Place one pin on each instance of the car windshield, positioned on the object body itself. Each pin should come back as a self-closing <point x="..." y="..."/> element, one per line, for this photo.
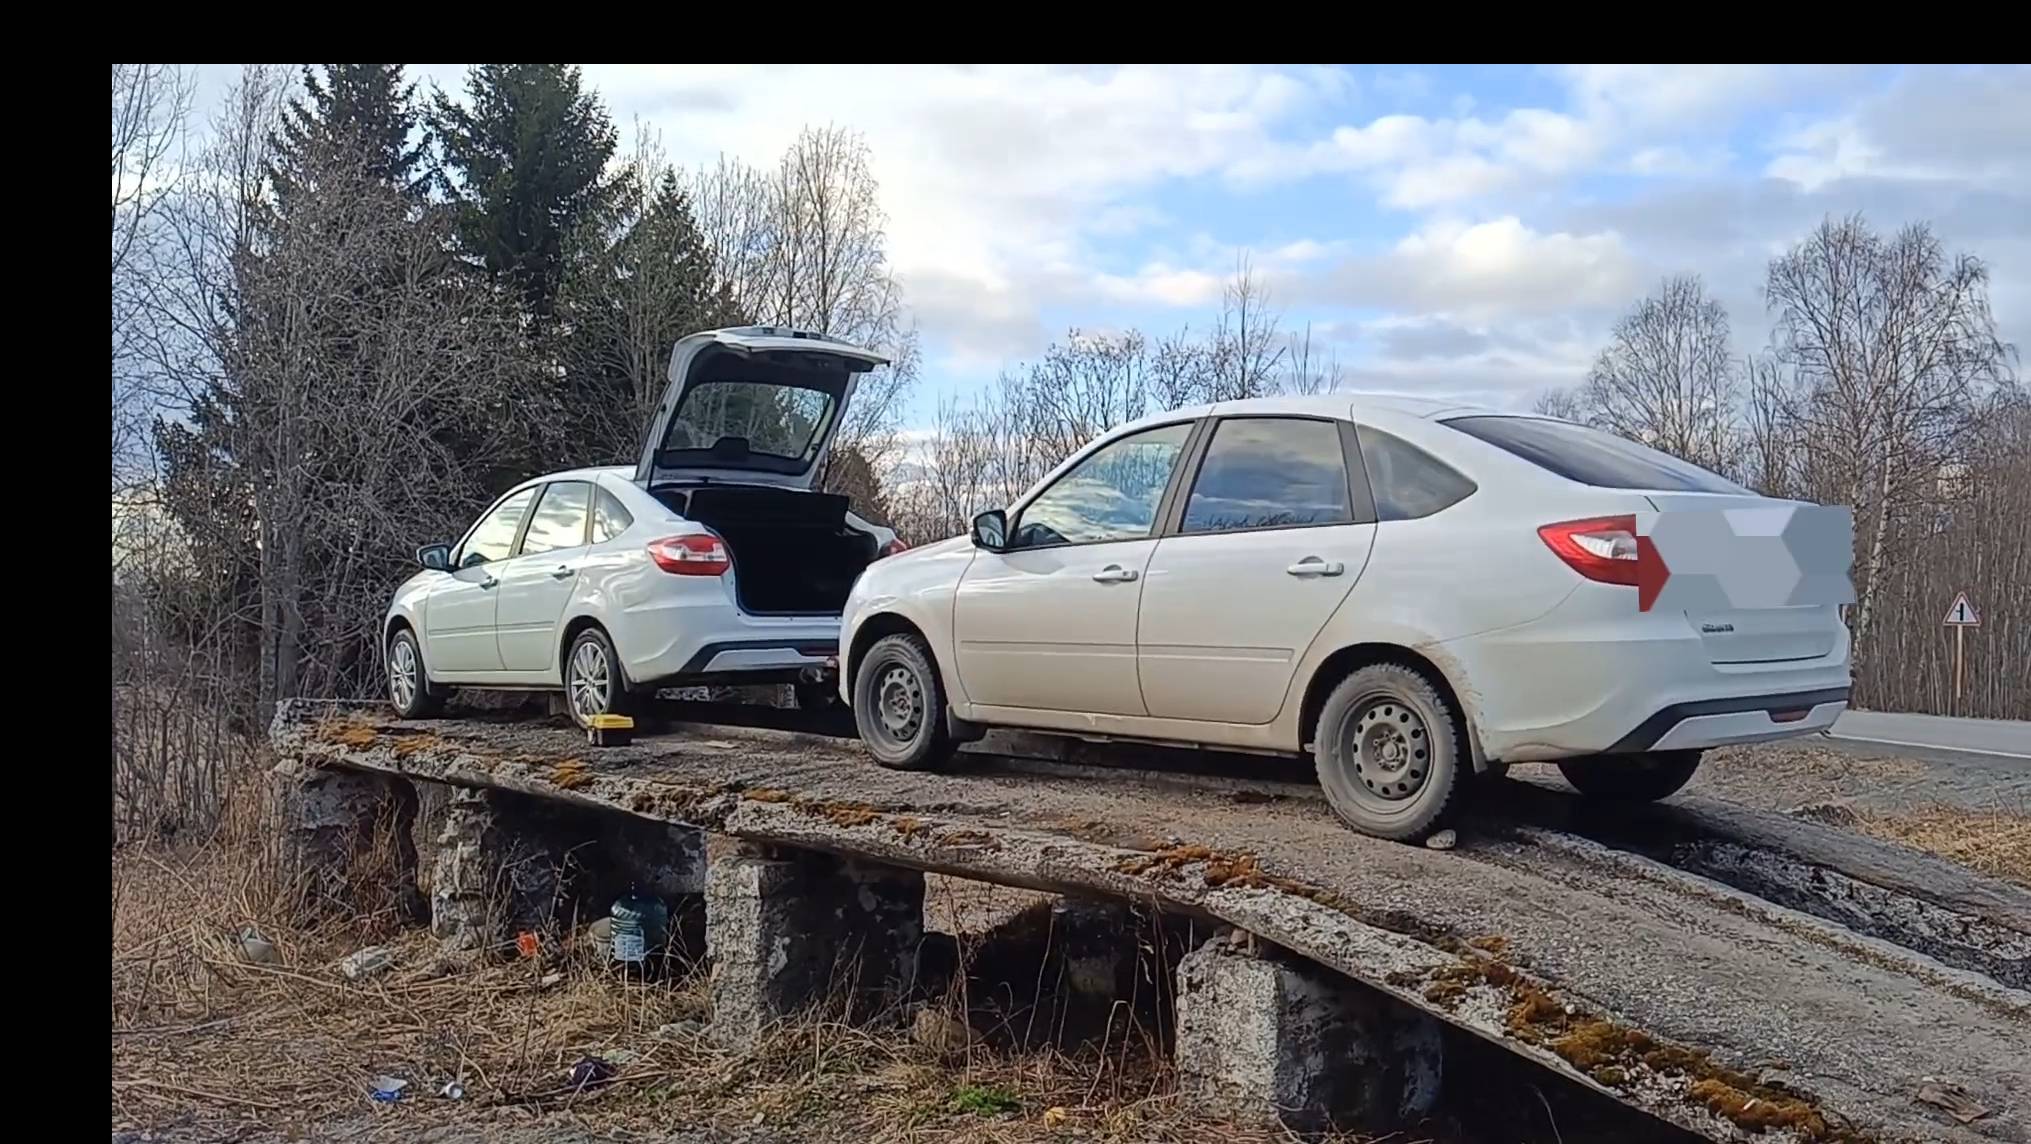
<point x="1591" y="456"/>
<point x="733" y="420"/>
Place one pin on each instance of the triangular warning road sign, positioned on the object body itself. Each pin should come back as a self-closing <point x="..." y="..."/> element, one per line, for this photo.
<point x="1962" y="614"/>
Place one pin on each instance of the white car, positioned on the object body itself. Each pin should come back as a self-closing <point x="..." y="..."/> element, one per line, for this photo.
<point x="711" y="561"/>
<point x="1409" y="591"/>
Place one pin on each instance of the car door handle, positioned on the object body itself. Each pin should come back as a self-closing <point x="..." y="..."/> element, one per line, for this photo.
<point x="1115" y="574"/>
<point x="563" y="572"/>
<point x="1313" y="566"/>
<point x="488" y="582"/>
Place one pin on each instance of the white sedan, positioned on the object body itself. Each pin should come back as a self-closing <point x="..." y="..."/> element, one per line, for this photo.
<point x="712" y="560"/>
<point x="1409" y="591"/>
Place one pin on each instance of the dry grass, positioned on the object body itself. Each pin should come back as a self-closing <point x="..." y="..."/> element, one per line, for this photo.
<point x="1995" y="842"/>
<point x="203" y="1038"/>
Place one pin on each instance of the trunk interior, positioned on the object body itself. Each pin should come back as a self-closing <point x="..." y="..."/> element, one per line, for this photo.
<point x="793" y="552"/>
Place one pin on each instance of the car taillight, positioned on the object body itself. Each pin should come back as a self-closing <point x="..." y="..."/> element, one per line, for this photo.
<point x="894" y="546"/>
<point x="691" y="555"/>
<point x="1601" y="548"/>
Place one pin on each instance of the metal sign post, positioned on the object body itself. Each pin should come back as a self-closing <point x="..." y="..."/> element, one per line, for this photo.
<point x="1960" y="616"/>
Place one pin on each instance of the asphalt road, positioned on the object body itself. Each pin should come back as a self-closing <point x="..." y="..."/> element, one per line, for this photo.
<point x="2007" y="738"/>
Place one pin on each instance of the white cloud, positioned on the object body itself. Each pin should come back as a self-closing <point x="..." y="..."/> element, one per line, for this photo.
<point x="1962" y="125"/>
<point x="1163" y="285"/>
<point x="1416" y="162"/>
<point x="1490" y="269"/>
<point x="1503" y="364"/>
<point x="995" y="179"/>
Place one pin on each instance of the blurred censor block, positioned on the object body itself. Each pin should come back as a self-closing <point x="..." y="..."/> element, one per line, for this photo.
<point x="1714" y="560"/>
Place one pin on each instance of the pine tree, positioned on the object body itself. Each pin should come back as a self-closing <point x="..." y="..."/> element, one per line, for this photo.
<point x="527" y="161"/>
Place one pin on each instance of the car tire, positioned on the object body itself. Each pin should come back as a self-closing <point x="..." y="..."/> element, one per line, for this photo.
<point x="409" y="687"/>
<point x="1390" y="753"/>
<point x="594" y="683"/>
<point x="899" y="705"/>
<point x="1631" y="778"/>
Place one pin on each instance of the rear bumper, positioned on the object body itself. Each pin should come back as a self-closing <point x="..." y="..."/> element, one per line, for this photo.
<point x="760" y="655"/>
<point x="1594" y="676"/>
<point x="1742" y="719"/>
<point x="700" y="637"/>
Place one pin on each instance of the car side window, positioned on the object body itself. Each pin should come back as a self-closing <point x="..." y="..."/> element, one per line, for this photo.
<point x="559" y="520"/>
<point x="1407" y="481"/>
<point x="1269" y="472"/>
<point x="494" y="538"/>
<point x="1111" y="495"/>
<point x="609" y="517"/>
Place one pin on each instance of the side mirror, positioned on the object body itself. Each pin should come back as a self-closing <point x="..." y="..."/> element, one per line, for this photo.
<point x="436" y="557"/>
<point x="990" y="530"/>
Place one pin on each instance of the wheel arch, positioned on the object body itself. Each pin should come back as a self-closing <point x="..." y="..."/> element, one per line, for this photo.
<point x="1352" y="658"/>
<point x="572" y="628"/>
<point x="880" y="626"/>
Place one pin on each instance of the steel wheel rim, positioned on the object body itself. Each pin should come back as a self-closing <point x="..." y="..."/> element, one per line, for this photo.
<point x="899" y="705"/>
<point x="402" y="683"/>
<point x="590" y="680"/>
<point x="1391" y="749"/>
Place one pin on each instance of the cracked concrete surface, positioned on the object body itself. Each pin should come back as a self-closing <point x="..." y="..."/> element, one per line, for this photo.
<point x="1851" y="1024"/>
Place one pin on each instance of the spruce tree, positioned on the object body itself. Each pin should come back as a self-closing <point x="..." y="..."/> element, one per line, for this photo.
<point x="361" y="109"/>
<point x="526" y="160"/>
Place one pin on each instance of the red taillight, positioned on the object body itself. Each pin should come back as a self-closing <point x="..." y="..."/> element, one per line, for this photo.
<point x="704" y="555"/>
<point x="894" y="546"/>
<point x="1601" y="548"/>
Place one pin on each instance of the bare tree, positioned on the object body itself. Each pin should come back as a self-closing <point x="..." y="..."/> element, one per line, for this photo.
<point x="1891" y="348"/>
<point x="1180" y="370"/>
<point x="1770" y="421"/>
<point x="1564" y="404"/>
<point x="1669" y="377"/>
<point x="1247" y="347"/>
<point x="151" y="103"/>
<point x="1309" y="371"/>
<point x="805" y="245"/>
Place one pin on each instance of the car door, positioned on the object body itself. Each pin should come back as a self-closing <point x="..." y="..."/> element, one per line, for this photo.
<point x="1049" y="623"/>
<point x="537" y="582"/>
<point x="1273" y="532"/>
<point x="458" y="616"/>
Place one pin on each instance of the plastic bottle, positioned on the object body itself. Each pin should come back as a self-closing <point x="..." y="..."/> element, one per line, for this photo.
<point x="641" y="925"/>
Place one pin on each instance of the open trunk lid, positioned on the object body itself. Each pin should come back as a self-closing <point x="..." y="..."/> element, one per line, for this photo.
<point x="752" y="404"/>
<point x="1754" y="635"/>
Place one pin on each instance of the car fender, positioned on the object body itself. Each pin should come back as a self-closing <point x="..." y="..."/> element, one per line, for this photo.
<point x="918" y="586"/>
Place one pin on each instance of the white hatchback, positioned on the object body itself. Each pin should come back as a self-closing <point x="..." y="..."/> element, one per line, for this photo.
<point x="711" y="561"/>
<point x="1407" y="590"/>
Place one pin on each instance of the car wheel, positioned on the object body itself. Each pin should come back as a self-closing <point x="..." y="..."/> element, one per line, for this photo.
<point x="408" y="683"/>
<point x="593" y="683"/>
<point x="899" y="706"/>
<point x="1388" y="749"/>
<point x="1631" y="778"/>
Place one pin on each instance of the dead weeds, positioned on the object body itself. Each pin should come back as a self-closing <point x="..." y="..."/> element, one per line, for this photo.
<point x="203" y="1035"/>
<point x="1994" y="842"/>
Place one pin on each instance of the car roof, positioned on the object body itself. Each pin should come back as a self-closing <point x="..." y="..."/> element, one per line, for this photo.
<point x="589" y="473"/>
<point x="1340" y="404"/>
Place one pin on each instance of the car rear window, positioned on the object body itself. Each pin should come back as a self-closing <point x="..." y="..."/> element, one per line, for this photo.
<point x="1591" y="456"/>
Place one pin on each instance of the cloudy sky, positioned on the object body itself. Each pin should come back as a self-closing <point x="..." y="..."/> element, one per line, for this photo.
<point x="1466" y="231"/>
